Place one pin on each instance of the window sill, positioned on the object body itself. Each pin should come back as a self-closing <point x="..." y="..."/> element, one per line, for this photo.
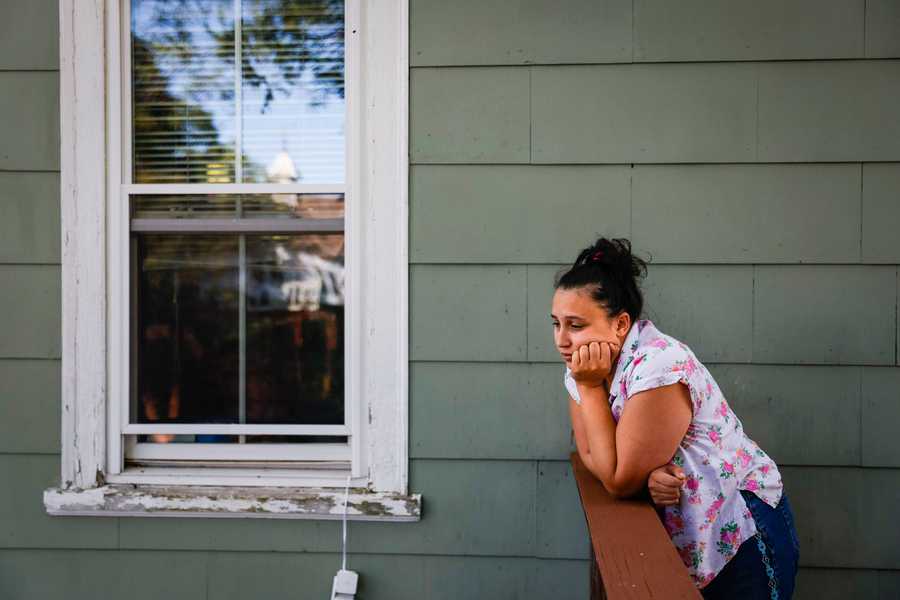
<point x="231" y="502"/>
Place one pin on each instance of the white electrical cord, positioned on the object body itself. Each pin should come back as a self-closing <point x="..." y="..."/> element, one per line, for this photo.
<point x="346" y="503"/>
<point x="345" y="582"/>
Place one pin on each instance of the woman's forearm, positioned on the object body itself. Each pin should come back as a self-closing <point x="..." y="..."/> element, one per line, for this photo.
<point x="600" y="430"/>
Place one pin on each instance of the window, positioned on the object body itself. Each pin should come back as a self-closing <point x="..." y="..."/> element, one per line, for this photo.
<point x="247" y="200"/>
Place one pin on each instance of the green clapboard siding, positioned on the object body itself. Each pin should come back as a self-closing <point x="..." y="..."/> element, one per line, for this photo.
<point x="824" y="314"/>
<point x="697" y="30"/>
<point x="30" y="316"/>
<point x="747" y="213"/>
<point x="540" y="296"/>
<point x="751" y="150"/>
<point x="65" y="574"/>
<point x="709" y="308"/>
<point x="501" y="32"/>
<point x="880" y="416"/>
<point x="468" y="514"/>
<point x="521" y="411"/>
<point x="29" y="218"/>
<point x="562" y="530"/>
<point x="26" y="525"/>
<point x="644" y="113"/>
<point x="838" y="525"/>
<point x="800" y="415"/>
<point x="29" y="406"/>
<point x="514" y="214"/>
<point x="469" y="116"/>
<point x="882" y="28"/>
<point x="829" y="111"/>
<point x="29" y="34"/>
<point x="836" y="584"/>
<point x="29" y="121"/>
<point x="464" y="312"/>
<point x="881" y="213"/>
<point x="238" y="575"/>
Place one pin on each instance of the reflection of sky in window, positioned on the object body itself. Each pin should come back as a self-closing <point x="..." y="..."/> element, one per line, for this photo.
<point x="297" y="122"/>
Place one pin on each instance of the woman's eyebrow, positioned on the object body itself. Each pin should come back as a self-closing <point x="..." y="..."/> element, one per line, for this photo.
<point x="574" y="317"/>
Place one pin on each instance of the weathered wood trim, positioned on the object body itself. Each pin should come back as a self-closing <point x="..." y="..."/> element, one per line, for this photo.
<point x="634" y="555"/>
<point x="89" y="137"/>
<point x="384" y="181"/>
<point x="231" y="502"/>
<point x="83" y="196"/>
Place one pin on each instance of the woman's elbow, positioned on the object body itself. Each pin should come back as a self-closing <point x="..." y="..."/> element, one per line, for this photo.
<point x="623" y="489"/>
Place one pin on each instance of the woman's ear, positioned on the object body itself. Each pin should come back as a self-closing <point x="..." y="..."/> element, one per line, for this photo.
<point x="623" y="323"/>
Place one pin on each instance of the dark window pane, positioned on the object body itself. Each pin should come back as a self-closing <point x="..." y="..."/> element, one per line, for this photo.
<point x="295" y="329"/>
<point x="187" y="329"/>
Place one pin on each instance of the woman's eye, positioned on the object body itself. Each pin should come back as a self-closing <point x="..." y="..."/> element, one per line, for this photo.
<point x="573" y="326"/>
<point x="555" y="324"/>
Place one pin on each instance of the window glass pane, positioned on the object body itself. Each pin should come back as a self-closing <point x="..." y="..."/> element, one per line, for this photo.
<point x="191" y="346"/>
<point x="248" y="439"/>
<point x="187" y="329"/>
<point x="192" y="106"/>
<point x="197" y="206"/>
<point x="293" y="91"/>
<point x="295" y="329"/>
<point x="183" y="91"/>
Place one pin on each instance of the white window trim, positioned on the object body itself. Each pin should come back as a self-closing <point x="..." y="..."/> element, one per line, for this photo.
<point x="88" y="362"/>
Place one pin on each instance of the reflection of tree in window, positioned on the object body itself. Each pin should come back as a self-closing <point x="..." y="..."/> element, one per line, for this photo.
<point x="175" y="141"/>
<point x="291" y="88"/>
<point x="283" y="113"/>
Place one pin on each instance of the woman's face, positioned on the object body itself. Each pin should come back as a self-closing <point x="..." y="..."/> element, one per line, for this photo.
<point x="579" y="320"/>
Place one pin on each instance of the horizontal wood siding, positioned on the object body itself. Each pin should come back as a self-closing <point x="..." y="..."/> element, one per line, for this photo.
<point x="758" y="164"/>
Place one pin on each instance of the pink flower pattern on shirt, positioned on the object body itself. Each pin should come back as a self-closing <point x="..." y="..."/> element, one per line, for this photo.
<point x="719" y="459"/>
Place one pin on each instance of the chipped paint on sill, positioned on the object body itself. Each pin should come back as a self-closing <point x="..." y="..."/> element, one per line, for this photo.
<point x="234" y="502"/>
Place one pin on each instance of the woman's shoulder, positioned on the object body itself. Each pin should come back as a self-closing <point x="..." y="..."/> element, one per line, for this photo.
<point x="655" y="348"/>
<point x="657" y="359"/>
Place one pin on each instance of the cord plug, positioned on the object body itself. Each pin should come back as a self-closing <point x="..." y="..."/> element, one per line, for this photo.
<point x="344" y="586"/>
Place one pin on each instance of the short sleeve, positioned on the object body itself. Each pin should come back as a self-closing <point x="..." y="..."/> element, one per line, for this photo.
<point x="661" y="367"/>
<point x="569" y="382"/>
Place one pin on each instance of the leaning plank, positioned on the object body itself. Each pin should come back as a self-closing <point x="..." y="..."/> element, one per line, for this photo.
<point x="634" y="554"/>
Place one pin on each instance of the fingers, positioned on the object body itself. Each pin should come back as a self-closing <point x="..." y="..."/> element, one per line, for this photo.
<point x="601" y="352"/>
<point x="595" y="352"/>
<point x="668" y="481"/>
<point x="665" y="501"/>
<point x="584" y="355"/>
<point x="665" y="495"/>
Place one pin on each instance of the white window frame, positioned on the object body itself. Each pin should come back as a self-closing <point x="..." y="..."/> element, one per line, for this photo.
<point x="94" y="312"/>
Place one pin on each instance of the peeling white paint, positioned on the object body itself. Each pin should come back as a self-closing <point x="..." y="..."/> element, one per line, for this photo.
<point x="93" y="310"/>
<point x="112" y="500"/>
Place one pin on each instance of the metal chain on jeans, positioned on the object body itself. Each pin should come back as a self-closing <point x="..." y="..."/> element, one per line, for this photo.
<point x="773" y="585"/>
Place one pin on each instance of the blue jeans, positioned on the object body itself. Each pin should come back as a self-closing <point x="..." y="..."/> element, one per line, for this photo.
<point x="747" y="575"/>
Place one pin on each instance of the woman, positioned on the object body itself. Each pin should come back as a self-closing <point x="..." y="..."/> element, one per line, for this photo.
<point x="647" y="414"/>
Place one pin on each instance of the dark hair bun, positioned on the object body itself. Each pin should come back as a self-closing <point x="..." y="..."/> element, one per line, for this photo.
<point x="612" y="271"/>
<point x="615" y="254"/>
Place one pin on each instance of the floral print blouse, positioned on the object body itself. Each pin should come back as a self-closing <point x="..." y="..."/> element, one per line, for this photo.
<point x="712" y="520"/>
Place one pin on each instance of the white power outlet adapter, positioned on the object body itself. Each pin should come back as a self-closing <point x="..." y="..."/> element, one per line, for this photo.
<point x="344" y="587"/>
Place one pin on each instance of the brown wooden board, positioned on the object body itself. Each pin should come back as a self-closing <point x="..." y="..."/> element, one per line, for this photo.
<point x="634" y="554"/>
